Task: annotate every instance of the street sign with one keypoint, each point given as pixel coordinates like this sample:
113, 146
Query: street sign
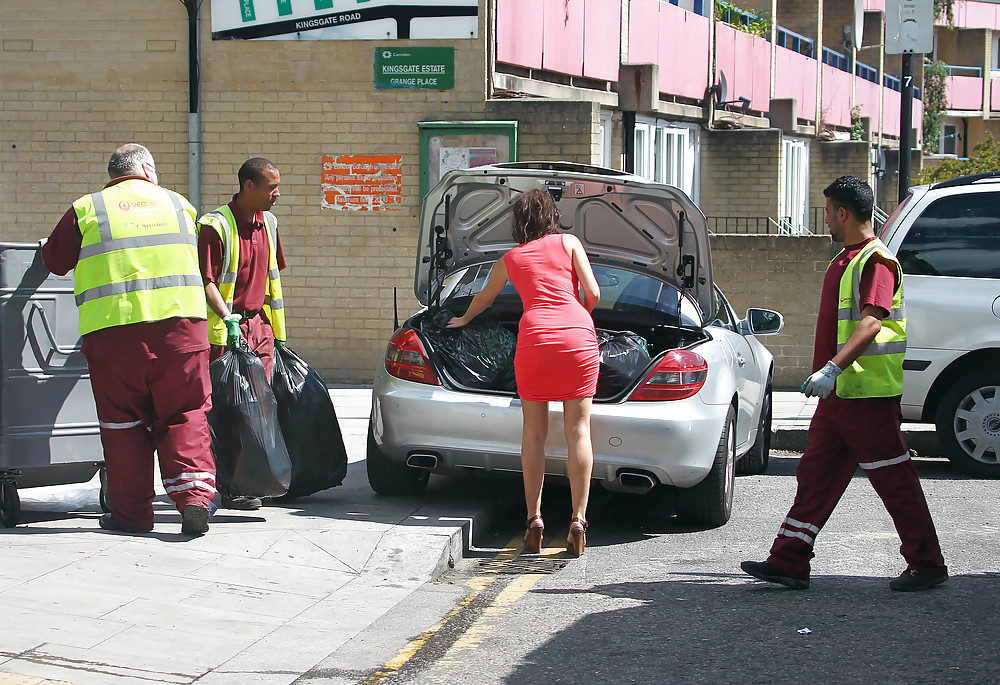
415, 67
909, 27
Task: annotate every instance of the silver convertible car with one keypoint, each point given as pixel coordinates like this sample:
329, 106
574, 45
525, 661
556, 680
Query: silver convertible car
684, 392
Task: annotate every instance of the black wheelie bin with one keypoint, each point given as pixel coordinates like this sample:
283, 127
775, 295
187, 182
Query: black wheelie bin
49, 434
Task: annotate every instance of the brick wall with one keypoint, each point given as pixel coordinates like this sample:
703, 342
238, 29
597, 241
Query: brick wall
798, 16
831, 159
568, 131
740, 172
67, 100
784, 273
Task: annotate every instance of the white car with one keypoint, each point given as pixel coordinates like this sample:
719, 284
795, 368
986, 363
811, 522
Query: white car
947, 239
682, 409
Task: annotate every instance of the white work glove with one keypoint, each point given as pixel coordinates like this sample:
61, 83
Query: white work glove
821, 383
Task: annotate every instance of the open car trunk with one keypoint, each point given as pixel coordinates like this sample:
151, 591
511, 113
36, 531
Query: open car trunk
480, 355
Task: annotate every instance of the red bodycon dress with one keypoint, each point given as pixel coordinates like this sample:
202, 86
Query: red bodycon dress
557, 357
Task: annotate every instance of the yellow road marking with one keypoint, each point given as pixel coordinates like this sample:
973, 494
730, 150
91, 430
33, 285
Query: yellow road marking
481, 627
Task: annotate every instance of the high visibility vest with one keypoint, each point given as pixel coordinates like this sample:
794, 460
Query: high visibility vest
138, 257
878, 372
224, 223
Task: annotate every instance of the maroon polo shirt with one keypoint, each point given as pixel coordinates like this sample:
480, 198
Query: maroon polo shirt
251, 273
878, 283
148, 340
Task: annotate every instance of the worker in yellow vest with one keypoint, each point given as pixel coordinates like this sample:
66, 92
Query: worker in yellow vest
239, 250
858, 376
133, 251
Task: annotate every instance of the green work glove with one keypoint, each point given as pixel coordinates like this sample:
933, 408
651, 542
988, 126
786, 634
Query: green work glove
233, 335
279, 343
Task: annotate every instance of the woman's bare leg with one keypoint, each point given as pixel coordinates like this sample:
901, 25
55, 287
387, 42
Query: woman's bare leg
576, 418
533, 434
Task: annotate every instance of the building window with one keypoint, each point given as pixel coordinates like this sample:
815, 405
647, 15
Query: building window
667, 152
795, 205
607, 130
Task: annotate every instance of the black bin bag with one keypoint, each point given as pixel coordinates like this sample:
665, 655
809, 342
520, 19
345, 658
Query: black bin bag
478, 355
250, 454
309, 424
624, 356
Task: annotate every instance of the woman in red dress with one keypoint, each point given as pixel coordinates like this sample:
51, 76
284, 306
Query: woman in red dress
557, 359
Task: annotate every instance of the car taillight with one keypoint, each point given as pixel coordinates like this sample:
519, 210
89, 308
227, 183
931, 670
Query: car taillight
405, 358
679, 374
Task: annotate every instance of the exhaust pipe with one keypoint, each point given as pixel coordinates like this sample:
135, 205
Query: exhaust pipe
422, 461
636, 481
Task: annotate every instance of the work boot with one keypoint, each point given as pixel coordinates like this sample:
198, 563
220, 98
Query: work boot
912, 580
108, 522
194, 521
241, 502
765, 570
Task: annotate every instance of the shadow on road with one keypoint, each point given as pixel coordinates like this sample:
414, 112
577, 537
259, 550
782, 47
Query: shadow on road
721, 628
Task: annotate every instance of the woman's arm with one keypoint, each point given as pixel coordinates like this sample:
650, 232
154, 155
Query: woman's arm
484, 298
584, 272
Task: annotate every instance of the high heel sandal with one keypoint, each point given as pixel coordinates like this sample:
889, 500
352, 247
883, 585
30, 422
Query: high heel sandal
577, 539
533, 535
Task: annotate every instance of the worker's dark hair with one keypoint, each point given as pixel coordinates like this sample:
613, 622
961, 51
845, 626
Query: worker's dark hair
535, 215
253, 170
853, 194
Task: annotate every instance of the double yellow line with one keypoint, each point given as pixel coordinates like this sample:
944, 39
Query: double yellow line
480, 628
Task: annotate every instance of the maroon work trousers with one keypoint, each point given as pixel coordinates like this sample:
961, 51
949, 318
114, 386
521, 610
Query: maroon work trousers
146, 405
843, 435
259, 336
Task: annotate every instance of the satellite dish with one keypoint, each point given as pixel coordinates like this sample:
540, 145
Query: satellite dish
723, 91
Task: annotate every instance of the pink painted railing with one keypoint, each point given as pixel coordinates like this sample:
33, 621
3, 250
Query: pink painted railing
746, 62
964, 92
836, 97
795, 77
995, 95
677, 40
575, 37
974, 15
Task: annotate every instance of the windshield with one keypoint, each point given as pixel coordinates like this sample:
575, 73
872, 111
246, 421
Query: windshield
625, 296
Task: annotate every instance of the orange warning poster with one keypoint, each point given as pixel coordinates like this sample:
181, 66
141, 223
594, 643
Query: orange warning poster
362, 183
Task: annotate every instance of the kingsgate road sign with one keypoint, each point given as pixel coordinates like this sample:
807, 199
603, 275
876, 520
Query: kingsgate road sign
431, 68
344, 19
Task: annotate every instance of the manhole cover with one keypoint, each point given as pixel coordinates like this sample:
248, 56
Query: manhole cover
522, 565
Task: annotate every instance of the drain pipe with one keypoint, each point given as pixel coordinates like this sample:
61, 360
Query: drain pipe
194, 115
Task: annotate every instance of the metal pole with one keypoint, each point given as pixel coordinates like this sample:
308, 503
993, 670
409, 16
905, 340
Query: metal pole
905, 125
194, 115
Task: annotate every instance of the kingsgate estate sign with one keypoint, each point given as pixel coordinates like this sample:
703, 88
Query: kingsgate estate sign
344, 19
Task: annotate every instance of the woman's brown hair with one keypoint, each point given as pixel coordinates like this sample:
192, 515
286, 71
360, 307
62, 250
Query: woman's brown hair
535, 215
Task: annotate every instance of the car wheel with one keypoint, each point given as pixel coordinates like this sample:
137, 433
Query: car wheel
755, 461
10, 504
710, 502
391, 478
968, 423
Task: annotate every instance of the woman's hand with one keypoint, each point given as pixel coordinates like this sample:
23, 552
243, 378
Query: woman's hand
456, 322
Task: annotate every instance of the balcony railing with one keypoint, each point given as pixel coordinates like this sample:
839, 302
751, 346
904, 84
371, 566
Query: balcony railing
795, 42
963, 71
837, 60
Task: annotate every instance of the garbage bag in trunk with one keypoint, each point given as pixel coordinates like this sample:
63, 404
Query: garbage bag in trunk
250, 454
479, 354
309, 425
624, 355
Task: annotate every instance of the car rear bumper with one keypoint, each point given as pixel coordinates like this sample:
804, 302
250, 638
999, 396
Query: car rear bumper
673, 442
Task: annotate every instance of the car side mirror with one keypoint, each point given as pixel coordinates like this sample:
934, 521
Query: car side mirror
761, 322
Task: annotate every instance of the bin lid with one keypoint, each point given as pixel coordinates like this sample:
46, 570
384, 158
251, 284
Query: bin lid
621, 219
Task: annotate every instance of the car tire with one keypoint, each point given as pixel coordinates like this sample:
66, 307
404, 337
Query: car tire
755, 461
387, 477
968, 423
710, 502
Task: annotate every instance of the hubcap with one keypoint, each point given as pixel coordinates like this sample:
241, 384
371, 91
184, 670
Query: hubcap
977, 424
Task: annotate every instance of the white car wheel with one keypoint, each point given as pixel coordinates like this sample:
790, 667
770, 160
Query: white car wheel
968, 423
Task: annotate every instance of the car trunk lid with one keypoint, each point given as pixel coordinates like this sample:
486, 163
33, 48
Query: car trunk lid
621, 220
